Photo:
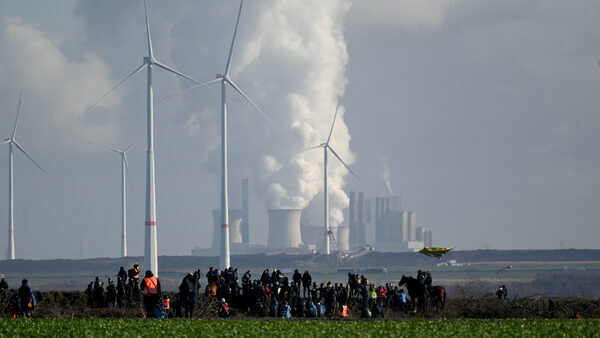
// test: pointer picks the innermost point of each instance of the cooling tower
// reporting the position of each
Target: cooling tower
(312, 235)
(412, 226)
(235, 231)
(342, 237)
(284, 228)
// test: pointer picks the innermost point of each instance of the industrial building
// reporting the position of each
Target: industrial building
(392, 229)
(395, 229)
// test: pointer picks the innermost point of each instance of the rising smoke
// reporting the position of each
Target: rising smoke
(297, 57)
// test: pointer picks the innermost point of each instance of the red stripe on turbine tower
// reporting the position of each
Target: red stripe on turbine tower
(151, 223)
(224, 225)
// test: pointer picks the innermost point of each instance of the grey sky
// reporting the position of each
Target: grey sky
(484, 112)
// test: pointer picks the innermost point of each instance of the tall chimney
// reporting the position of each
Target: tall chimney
(361, 221)
(245, 214)
(352, 220)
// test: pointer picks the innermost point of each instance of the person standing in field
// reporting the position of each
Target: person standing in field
(151, 289)
(27, 299)
(306, 282)
(3, 290)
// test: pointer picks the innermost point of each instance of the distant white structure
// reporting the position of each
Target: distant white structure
(10, 250)
(124, 173)
(396, 230)
(235, 228)
(151, 244)
(284, 228)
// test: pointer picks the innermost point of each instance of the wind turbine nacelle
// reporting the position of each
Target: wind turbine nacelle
(219, 76)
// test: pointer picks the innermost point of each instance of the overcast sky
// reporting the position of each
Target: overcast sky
(482, 114)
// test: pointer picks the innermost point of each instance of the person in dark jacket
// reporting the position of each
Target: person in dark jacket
(306, 281)
(188, 293)
(3, 290)
(89, 292)
(122, 274)
(27, 299)
(111, 294)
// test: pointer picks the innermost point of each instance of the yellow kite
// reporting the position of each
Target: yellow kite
(434, 252)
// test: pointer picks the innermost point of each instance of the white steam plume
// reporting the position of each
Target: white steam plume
(297, 58)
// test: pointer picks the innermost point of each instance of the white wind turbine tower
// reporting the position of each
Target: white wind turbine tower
(124, 174)
(11, 206)
(326, 147)
(150, 249)
(224, 261)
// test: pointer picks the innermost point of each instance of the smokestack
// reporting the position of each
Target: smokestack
(245, 214)
(429, 237)
(235, 219)
(412, 225)
(379, 236)
(420, 237)
(284, 228)
(404, 226)
(361, 221)
(353, 237)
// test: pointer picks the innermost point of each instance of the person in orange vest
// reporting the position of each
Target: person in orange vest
(151, 290)
(166, 302)
(345, 311)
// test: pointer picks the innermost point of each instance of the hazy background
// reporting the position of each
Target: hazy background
(482, 113)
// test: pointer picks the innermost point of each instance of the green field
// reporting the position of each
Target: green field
(296, 328)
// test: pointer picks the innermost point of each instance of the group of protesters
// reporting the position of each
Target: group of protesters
(272, 294)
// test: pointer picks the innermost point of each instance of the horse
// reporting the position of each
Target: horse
(416, 292)
(438, 297)
(211, 290)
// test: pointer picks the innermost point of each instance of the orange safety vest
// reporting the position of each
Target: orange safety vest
(345, 311)
(151, 285)
(137, 273)
(166, 303)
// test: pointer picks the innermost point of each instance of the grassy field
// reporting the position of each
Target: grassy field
(282, 328)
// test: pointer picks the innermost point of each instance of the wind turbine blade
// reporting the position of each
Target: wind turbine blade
(233, 40)
(128, 147)
(190, 88)
(115, 87)
(17, 119)
(127, 170)
(107, 148)
(148, 32)
(29, 157)
(167, 68)
(307, 149)
(334, 117)
(248, 99)
(344, 163)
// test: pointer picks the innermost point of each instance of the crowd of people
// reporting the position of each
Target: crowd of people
(270, 294)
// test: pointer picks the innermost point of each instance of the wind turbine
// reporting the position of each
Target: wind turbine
(327, 147)
(150, 249)
(225, 79)
(10, 254)
(124, 174)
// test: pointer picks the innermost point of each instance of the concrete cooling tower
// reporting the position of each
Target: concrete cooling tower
(235, 227)
(342, 237)
(284, 228)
